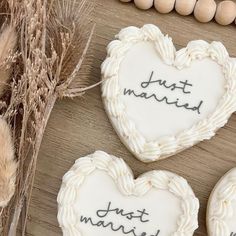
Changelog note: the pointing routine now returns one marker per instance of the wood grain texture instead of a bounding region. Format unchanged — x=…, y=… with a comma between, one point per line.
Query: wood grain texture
x=80, y=126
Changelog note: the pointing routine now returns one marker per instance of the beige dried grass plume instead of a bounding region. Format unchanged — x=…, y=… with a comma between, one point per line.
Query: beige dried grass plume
x=8, y=165
x=8, y=38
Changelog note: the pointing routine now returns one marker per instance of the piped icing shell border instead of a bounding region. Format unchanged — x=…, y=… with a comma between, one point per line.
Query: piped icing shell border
x=123, y=177
x=218, y=212
x=195, y=50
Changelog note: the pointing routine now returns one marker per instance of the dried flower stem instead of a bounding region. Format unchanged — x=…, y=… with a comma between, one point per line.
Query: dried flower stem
x=39, y=138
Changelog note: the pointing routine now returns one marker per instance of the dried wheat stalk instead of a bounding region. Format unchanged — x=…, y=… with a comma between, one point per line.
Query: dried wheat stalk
x=52, y=33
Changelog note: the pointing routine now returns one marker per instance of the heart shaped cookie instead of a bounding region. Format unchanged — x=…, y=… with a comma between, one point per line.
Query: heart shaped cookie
x=221, y=211
x=99, y=196
x=161, y=101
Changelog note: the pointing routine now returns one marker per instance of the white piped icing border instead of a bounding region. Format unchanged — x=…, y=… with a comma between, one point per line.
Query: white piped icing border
x=221, y=210
x=123, y=177
x=195, y=50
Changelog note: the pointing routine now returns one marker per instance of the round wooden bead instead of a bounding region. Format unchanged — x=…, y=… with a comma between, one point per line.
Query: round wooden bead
x=185, y=7
x=204, y=10
x=164, y=6
x=143, y=4
x=225, y=13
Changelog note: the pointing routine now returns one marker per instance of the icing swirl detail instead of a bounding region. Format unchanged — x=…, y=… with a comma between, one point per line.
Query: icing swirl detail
x=195, y=50
x=221, y=210
x=118, y=170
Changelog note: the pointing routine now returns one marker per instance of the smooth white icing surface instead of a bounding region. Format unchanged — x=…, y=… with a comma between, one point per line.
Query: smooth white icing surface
x=162, y=206
x=221, y=218
x=99, y=178
x=158, y=119
x=206, y=65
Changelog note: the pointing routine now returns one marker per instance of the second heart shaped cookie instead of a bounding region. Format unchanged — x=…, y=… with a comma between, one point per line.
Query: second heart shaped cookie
x=99, y=196
x=161, y=101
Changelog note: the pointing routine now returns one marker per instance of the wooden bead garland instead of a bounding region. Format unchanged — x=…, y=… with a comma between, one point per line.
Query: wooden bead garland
x=164, y=6
x=143, y=4
x=185, y=7
x=204, y=10
x=225, y=13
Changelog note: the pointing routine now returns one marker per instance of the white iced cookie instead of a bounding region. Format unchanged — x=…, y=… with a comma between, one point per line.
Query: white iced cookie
x=99, y=196
x=161, y=101
x=221, y=212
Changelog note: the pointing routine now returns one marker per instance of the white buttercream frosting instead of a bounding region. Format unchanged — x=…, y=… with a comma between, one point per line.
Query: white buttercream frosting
x=150, y=151
x=121, y=174
x=220, y=206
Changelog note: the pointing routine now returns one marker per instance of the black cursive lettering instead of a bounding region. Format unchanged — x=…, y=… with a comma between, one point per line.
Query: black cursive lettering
x=164, y=99
x=129, y=215
x=183, y=84
x=102, y=213
x=101, y=223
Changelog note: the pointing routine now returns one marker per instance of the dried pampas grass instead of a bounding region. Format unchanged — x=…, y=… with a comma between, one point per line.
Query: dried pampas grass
x=54, y=38
x=8, y=39
x=69, y=20
x=8, y=164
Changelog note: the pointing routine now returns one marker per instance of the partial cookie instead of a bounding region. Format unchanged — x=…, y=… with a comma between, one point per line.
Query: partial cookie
x=100, y=197
x=221, y=211
x=161, y=101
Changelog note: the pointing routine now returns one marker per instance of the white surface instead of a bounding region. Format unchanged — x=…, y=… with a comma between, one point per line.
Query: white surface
x=154, y=119
x=162, y=206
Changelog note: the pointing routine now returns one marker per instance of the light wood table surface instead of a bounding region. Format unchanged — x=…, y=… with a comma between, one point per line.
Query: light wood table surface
x=80, y=126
